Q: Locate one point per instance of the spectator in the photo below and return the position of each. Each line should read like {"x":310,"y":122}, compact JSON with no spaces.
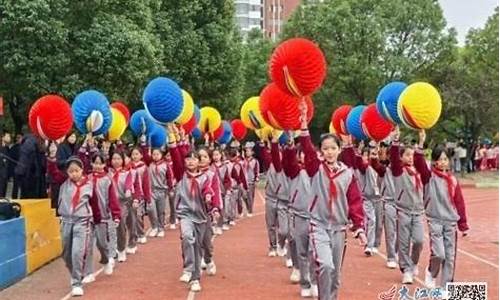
{"x":65,"y":150}
{"x":55,"y":177}
{"x":482,"y":154}
{"x":30,"y":169}
{"x":5,"y":158}
{"x":490,"y":158}
{"x":14,"y":154}
{"x":462,"y":157}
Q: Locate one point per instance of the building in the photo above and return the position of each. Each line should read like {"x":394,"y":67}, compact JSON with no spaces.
{"x":249,"y":15}
{"x":276,"y":13}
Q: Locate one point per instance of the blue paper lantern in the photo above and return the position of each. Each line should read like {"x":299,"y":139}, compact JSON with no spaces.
{"x":157,"y":137}
{"x":227,"y":135}
{"x":162,"y":99}
{"x":197,"y":133}
{"x":283,"y":139}
{"x":91,"y":112}
{"x":197,"y":113}
{"x":141,"y":123}
{"x":387,"y":101}
{"x":353,"y":123}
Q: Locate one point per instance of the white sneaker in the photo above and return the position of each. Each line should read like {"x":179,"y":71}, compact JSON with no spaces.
{"x":211,"y":268}
{"x":142,"y":240}
{"x":122,"y":256}
{"x":314,"y":290}
{"x":392,"y":264}
{"x":203,"y":265}
{"x":272,"y":253}
{"x":108,"y":268}
{"x":240,"y":216}
{"x":132,"y":250}
{"x":225,"y":227}
{"x":368,"y":251}
{"x":161,"y":234}
{"x":76,"y":292}
{"x":415,"y":271}
{"x":195,"y":286}
{"x":407,"y":278}
{"x":112,"y":261}
{"x":281,"y":251}
{"x":153,"y":232}
{"x":289,"y":263}
{"x":305,"y":293}
{"x":249,"y":215}
{"x":295,"y":276}
{"x":172,"y":227}
{"x":186,"y":277}
{"x":218,"y":231}
{"x":430,"y":282}
{"x":374,"y":250}
{"x":89,"y":278}
{"x":232,"y":223}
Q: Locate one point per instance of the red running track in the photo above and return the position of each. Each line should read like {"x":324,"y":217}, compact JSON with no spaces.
{"x":245,"y":272}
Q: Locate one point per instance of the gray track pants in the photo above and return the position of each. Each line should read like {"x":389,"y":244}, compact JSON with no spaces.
{"x":390,"y":227}
{"x":410,"y":240}
{"x":76,"y":239}
{"x":300,"y":236}
{"x":443,"y":239}
{"x":250,"y":197}
{"x":157,"y":212}
{"x":127,"y":227}
{"x":271,"y":221}
{"x":328,"y":250}
{"x":208,"y":246}
{"x":104,"y":238}
{"x":283,"y":219}
{"x":373,"y":220}
{"x":143,"y":209}
{"x":192,"y":239}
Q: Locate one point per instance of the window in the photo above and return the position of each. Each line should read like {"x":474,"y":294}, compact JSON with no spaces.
{"x":242,"y":8}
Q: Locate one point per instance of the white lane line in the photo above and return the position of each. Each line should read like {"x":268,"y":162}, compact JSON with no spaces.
{"x":191,"y":295}
{"x":68,"y":296}
{"x":477,"y":258}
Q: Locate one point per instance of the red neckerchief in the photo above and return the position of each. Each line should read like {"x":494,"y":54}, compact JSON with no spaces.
{"x":416,"y":175}
{"x":332,"y":174}
{"x":157,"y":165}
{"x":449,"y":180}
{"x":138,"y":165}
{"x":204,"y":169}
{"x":193,"y":183}
{"x":116,"y":175}
{"x":76,"y":196}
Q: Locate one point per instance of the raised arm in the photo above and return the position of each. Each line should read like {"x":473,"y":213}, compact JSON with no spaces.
{"x":419,"y":159}
{"x":275,"y":155}
{"x":378,"y":167}
{"x":265,"y":156}
{"x":290,"y":162}
{"x":396,"y":165}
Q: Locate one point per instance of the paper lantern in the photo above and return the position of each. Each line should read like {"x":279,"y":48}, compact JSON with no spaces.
{"x":283,"y":139}
{"x":123,"y":109}
{"x":50,"y":117}
{"x":250,"y":114}
{"x":157,"y":138}
{"x":91,"y":112}
{"x":218,"y":132}
{"x":196,"y":133}
{"x":228,"y":135}
{"x":298,"y":67}
{"x":210,"y":119}
{"x":374,"y":125}
{"x":197,"y":113}
{"x":190,"y":125}
{"x":239,"y":129}
{"x":265,"y":133}
{"x":162,"y":99}
{"x":419,"y":106}
{"x":387,"y":101}
{"x":118,"y":125}
{"x":281,"y":110}
{"x":339,"y":117}
{"x":353,"y":123}
{"x":331,"y":129}
{"x":187,"y":108}
{"x":141,"y":123}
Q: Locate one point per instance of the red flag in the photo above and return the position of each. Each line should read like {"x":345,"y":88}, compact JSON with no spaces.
{"x":1,"y":106}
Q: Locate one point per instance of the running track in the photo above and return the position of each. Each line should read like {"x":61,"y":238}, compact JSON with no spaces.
{"x":245,"y":272}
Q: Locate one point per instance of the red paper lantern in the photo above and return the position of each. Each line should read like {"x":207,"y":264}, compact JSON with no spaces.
{"x":298,"y":67}
{"x":190,"y":125}
{"x":50,"y":117}
{"x":239,"y":129}
{"x":121,"y":107}
{"x":281,"y":110}
{"x":218,"y":132}
{"x":374,"y":125}
{"x":339,"y":117}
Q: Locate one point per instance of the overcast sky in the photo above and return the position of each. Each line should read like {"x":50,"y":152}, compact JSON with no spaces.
{"x":464,"y":14}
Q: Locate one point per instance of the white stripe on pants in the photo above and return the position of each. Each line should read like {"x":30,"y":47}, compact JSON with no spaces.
{"x":328,"y":250}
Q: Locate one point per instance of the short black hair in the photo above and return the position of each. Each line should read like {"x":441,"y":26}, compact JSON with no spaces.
{"x":74,"y":160}
{"x":192,"y":154}
{"x":100,"y":156}
{"x":437,"y":151}
{"x":327,"y":136}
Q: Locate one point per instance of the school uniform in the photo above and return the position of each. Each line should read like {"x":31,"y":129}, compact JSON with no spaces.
{"x":445,"y":211}
{"x":225,"y":182}
{"x":105,"y":210}
{"x":337,"y":201}
{"x":408,"y":190}
{"x":142,"y":193}
{"x":241,"y":187}
{"x":161,"y":186}
{"x":252,"y":168}
{"x":214,"y":182}
{"x":76,"y":226}
{"x":301,"y":196}
{"x":193,"y":211}
{"x":123,"y":183}
{"x":171,"y":196}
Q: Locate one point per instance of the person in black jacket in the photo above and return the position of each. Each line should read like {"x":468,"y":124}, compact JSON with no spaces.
{"x":4,"y":163}
{"x":31,"y":168}
{"x":65,"y":150}
{"x":14,"y":154}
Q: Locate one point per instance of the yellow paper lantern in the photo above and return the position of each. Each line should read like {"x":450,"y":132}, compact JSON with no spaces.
{"x":332,"y":129}
{"x":210,"y":119}
{"x":419,"y":106}
{"x":267,"y":131}
{"x":250,"y":114}
{"x":187,"y":109}
{"x":118,"y":125}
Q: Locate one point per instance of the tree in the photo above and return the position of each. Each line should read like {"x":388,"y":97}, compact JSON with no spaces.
{"x":367,"y":44}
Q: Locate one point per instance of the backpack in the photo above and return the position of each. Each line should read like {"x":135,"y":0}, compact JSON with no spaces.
{"x":9,"y":210}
